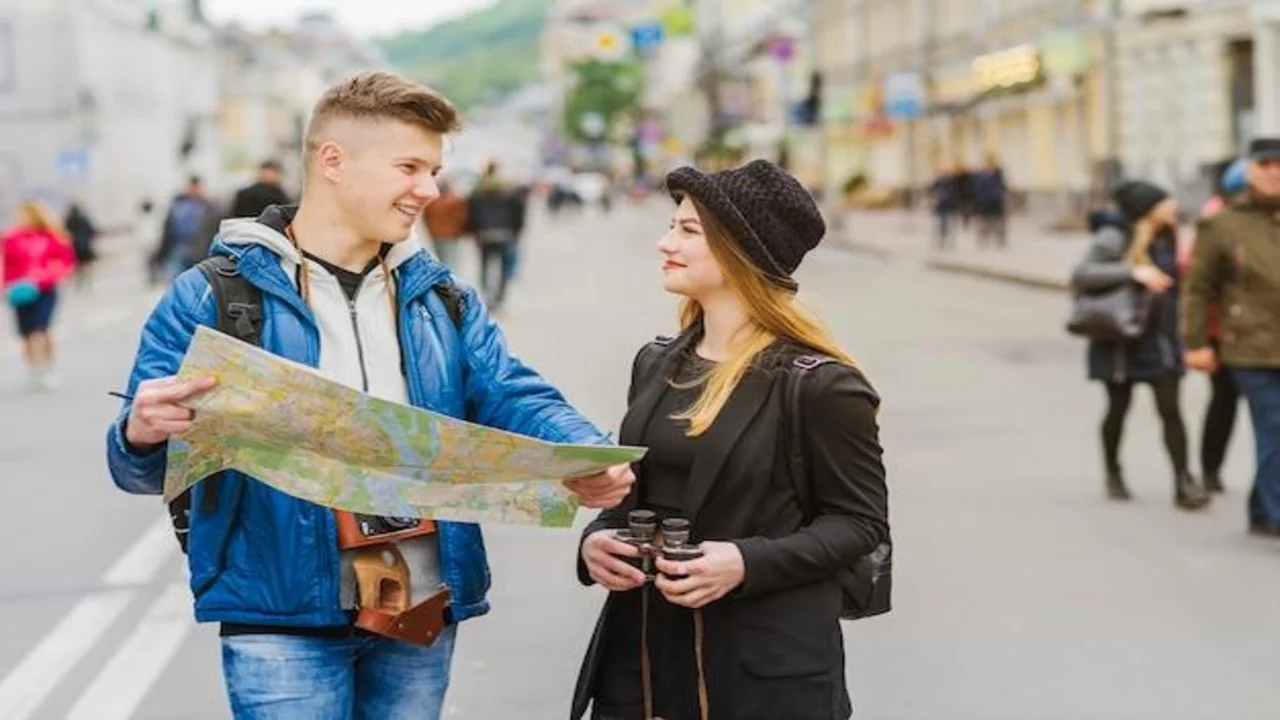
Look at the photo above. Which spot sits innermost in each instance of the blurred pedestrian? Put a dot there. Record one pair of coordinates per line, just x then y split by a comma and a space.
83, 234
1224, 396
446, 222
1139, 246
250, 201
37, 257
187, 229
148, 228
945, 192
988, 191
495, 218
1236, 266
751, 629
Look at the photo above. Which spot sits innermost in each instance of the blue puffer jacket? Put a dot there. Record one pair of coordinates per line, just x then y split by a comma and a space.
264, 558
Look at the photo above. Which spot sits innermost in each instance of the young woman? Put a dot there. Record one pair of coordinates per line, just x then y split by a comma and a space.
1139, 245
751, 629
37, 257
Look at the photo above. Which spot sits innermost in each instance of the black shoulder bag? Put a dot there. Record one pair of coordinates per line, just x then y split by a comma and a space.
867, 583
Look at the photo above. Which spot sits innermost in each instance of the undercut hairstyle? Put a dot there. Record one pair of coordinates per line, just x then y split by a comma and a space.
375, 96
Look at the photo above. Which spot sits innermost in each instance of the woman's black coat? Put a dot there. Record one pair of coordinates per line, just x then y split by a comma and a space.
773, 646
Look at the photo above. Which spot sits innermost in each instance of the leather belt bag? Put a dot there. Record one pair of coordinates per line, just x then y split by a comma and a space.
382, 579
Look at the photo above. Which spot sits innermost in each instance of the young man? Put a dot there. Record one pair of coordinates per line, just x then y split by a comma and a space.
344, 292
1235, 266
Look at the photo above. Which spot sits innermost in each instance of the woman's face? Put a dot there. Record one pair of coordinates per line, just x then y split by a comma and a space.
688, 267
1166, 213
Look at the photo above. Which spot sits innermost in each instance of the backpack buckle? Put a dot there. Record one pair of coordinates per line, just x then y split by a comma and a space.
808, 362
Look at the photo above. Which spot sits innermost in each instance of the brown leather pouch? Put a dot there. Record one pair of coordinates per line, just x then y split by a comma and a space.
384, 599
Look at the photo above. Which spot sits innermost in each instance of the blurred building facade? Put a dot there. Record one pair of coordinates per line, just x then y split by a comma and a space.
913, 86
269, 83
1186, 89
108, 101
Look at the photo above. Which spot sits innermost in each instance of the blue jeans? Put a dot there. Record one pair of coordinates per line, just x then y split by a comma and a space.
286, 677
1261, 387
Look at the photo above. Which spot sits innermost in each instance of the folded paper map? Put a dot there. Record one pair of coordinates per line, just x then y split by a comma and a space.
305, 435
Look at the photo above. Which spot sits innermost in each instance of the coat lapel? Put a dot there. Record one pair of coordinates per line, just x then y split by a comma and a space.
722, 437
652, 384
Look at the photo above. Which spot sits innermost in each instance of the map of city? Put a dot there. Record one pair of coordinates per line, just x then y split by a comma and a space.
290, 427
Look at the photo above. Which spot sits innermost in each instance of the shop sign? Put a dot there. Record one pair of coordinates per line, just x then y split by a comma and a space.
1008, 69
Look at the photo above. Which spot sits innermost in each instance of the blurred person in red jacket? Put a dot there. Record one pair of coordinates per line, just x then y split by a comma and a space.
38, 256
446, 222
1224, 396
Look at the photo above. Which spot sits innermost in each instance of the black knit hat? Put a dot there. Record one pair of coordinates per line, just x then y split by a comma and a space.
1135, 198
769, 213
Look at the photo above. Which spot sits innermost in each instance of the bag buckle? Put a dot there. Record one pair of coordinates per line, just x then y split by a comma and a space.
808, 362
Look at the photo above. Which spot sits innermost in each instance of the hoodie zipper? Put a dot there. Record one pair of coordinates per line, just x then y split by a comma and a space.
355, 327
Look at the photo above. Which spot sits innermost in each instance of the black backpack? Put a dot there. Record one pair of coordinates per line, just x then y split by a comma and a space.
240, 316
868, 582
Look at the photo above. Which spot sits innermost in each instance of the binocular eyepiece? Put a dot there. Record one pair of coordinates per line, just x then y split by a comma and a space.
672, 544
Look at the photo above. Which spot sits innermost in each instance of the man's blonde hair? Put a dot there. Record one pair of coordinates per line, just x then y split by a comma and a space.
381, 96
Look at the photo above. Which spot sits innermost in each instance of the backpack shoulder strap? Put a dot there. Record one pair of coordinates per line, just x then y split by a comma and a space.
239, 302
793, 395
455, 301
240, 316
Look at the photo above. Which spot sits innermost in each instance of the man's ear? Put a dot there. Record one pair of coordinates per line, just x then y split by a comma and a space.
330, 160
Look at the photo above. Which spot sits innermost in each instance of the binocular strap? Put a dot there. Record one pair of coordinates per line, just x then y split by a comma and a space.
646, 676
703, 702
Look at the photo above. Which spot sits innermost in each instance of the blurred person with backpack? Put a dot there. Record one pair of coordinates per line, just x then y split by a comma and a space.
37, 256
187, 229
764, 465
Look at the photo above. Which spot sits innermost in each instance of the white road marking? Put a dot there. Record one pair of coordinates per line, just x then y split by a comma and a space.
143, 560
43, 668
29, 684
128, 676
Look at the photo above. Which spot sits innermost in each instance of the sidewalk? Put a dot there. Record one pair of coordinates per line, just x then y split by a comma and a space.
1035, 257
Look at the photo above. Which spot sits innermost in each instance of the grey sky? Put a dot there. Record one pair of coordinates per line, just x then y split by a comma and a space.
364, 17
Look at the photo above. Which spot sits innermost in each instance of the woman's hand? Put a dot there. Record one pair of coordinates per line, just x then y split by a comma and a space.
603, 553
717, 573
1153, 278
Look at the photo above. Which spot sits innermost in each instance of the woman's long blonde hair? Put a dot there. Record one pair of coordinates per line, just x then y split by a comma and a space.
774, 314
1145, 231
36, 215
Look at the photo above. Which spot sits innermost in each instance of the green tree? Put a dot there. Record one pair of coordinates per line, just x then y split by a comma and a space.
604, 90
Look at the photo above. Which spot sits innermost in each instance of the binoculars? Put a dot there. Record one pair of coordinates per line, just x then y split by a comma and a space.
672, 543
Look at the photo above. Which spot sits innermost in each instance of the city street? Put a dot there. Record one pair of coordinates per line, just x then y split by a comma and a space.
1020, 593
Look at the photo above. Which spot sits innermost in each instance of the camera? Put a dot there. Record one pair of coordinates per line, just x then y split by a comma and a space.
357, 531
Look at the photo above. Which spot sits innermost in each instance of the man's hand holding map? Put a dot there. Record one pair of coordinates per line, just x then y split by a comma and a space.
310, 437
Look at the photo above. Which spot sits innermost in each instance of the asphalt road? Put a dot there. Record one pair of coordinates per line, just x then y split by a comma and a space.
1019, 592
